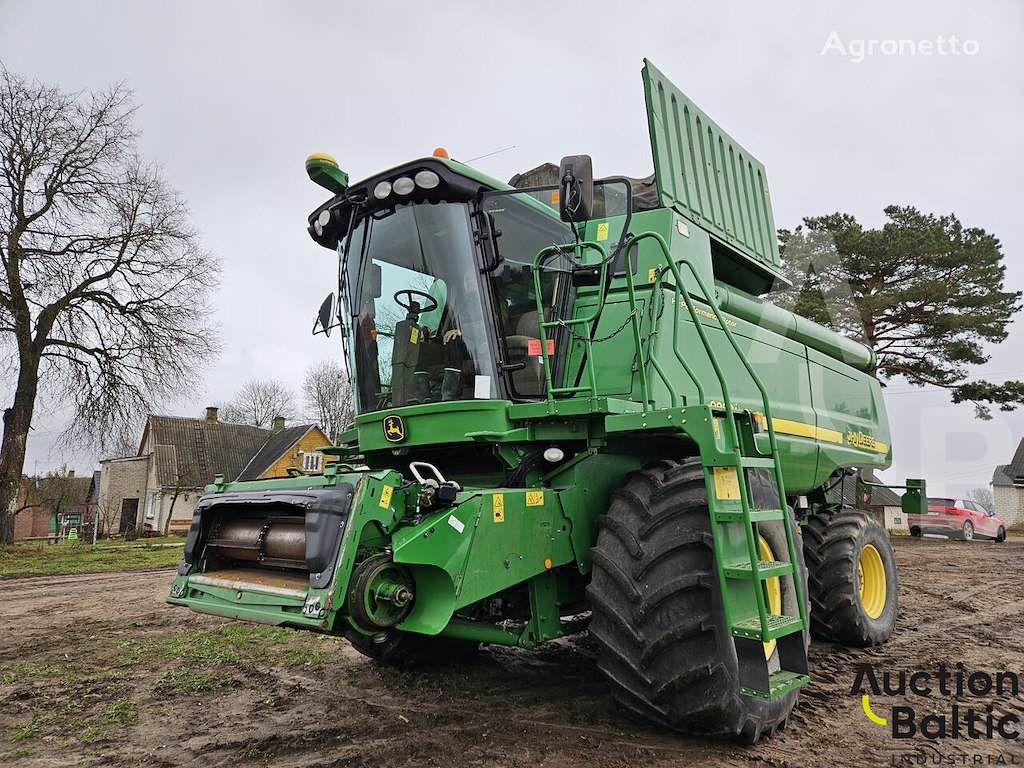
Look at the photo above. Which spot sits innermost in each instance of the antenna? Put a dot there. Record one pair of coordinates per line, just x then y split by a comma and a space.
495, 152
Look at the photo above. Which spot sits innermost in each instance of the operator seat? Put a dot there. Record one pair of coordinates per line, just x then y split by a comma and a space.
528, 381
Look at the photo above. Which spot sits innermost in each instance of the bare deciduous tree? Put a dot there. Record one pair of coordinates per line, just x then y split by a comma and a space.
327, 394
104, 291
983, 496
108, 512
259, 401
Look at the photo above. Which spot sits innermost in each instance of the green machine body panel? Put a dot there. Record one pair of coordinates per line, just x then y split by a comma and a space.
706, 175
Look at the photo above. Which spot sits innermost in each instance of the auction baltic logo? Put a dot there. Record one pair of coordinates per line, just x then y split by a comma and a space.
857, 49
984, 717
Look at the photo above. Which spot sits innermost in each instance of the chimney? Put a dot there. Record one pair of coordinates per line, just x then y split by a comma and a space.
211, 413
278, 424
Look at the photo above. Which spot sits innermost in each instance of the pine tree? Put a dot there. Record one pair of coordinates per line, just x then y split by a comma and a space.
924, 291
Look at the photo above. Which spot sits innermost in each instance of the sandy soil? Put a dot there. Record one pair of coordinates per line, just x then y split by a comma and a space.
85, 663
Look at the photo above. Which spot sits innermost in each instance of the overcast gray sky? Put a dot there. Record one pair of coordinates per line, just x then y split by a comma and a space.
235, 95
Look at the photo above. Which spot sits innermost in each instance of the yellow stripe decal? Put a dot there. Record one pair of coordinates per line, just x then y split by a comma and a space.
853, 439
798, 428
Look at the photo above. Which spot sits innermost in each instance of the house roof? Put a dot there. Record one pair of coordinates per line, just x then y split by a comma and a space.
67, 492
1015, 469
1001, 476
189, 452
880, 497
274, 449
93, 491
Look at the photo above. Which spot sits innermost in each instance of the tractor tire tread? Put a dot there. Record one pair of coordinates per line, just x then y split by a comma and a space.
831, 551
654, 561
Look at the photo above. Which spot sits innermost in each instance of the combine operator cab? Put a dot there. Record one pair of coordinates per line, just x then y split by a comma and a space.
438, 287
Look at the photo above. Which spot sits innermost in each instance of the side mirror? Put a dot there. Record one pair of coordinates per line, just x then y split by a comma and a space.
576, 188
325, 317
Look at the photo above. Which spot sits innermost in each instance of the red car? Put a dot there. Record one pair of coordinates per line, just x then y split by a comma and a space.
959, 519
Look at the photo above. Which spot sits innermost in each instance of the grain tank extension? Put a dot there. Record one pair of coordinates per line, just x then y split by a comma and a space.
574, 414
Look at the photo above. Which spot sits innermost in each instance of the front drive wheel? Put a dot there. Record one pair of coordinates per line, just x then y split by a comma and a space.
657, 609
396, 648
1001, 534
852, 577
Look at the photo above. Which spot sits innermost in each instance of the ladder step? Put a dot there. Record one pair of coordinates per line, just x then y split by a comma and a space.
777, 627
756, 515
767, 569
750, 462
779, 684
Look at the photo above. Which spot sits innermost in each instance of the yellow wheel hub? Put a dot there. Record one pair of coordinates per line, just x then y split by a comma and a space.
773, 592
871, 581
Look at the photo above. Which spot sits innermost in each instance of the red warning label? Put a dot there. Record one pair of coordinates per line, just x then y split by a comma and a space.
533, 347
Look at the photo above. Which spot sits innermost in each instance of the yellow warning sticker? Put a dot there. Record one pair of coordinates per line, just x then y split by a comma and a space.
535, 498
715, 423
385, 496
498, 504
414, 335
602, 231
652, 275
727, 484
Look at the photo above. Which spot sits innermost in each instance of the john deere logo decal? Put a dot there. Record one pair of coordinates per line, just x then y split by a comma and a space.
394, 429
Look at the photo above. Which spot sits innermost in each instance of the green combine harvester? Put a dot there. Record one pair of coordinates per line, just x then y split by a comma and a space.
574, 413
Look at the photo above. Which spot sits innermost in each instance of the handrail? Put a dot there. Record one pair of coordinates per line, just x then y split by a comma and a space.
682, 296
730, 411
585, 321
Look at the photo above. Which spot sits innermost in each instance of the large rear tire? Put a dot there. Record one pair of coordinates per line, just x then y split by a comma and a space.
658, 618
409, 649
852, 577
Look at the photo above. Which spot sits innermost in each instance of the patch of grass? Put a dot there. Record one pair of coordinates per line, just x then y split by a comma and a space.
13, 674
124, 712
304, 657
196, 647
159, 541
28, 730
191, 681
227, 644
261, 755
91, 733
17, 754
41, 559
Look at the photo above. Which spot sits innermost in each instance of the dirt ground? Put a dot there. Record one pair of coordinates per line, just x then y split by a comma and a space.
98, 670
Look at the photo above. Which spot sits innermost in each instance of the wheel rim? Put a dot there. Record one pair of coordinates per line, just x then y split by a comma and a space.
968, 531
772, 593
871, 581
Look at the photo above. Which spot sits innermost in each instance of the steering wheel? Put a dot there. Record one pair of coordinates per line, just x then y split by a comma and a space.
429, 306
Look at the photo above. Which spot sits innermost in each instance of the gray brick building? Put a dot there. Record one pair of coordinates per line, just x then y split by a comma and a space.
178, 457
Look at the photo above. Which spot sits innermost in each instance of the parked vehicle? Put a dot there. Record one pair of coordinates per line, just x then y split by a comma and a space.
959, 519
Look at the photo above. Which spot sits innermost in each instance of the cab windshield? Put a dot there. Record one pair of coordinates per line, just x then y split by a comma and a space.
432, 323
